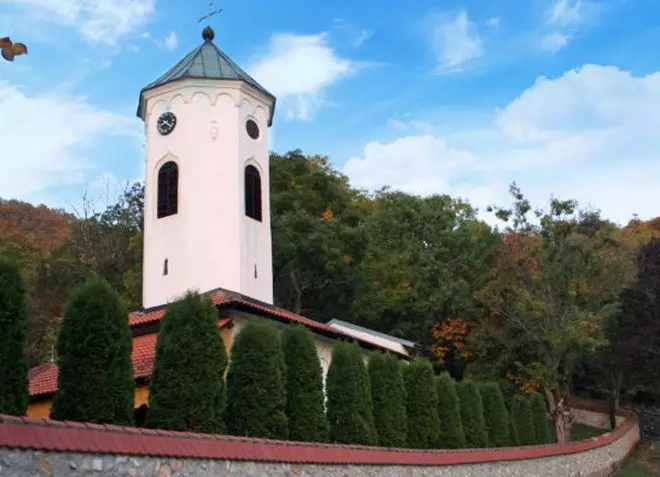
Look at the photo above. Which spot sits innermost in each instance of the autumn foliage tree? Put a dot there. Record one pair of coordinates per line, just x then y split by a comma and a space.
554, 283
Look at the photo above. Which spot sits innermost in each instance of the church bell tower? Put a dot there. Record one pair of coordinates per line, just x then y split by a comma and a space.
206, 204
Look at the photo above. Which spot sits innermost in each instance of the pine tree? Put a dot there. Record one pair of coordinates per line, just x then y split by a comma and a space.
452, 435
495, 414
422, 405
388, 396
13, 340
540, 419
256, 383
304, 382
95, 382
349, 407
521, 416
187, 390
472, 414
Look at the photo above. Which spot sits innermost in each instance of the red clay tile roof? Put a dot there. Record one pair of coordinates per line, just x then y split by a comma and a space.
43, 378
48, 435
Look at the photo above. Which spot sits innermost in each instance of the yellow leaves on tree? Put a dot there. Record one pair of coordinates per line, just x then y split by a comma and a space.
450, 336
327, 215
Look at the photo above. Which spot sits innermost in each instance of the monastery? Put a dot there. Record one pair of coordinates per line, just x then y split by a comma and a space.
207, 215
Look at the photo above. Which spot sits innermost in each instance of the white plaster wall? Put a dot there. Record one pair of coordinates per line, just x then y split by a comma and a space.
205, 242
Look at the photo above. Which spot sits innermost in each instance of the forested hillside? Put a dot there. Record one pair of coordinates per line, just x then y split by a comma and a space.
531, 302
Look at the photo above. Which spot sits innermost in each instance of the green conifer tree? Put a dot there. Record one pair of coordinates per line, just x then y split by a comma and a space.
523, 425
256, 383
495, 414
540, 418
95, 382
422, 405
13, 340
472, 414
452, 435
388, 396
349, 407
304, 382
187, 389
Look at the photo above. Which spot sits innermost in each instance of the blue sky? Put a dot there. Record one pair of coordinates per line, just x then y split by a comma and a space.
457, 97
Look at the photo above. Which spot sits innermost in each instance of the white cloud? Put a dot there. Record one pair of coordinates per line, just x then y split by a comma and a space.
171, 42
565, 12
589, 134
298, 69
554, 41
456, 41
66, 129
494, 21
99, 21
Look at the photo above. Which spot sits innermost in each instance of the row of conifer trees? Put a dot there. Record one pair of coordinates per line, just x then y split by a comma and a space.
272, 389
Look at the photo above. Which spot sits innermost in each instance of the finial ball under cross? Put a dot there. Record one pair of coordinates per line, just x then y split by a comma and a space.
208, 34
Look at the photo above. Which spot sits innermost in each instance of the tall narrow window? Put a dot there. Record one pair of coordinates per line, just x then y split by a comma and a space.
252, 193
168, 189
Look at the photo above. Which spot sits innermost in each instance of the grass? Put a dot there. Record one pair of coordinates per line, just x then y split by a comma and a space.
582, 432
632, 469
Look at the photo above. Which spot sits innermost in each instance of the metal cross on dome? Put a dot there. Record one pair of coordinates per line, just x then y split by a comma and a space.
210, 13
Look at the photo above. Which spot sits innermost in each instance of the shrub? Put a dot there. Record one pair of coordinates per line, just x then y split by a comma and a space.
187, 390
95, 382
521, 416
388, 396
472, 414
349, 397
422, 405
13, 340
496, 415
449, 412
304, 384
540, 419
256, 383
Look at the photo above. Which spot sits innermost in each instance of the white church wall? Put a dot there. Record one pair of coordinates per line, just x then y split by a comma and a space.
205, 243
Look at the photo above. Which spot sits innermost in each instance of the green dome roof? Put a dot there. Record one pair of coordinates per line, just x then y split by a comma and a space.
207, 61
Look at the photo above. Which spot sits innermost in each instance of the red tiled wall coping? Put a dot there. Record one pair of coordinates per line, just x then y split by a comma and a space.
64, 436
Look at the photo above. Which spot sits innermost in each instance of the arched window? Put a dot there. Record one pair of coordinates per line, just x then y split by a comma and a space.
168, 189
252, 193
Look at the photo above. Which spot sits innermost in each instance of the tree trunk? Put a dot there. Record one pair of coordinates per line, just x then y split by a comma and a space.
615, 397
561, 417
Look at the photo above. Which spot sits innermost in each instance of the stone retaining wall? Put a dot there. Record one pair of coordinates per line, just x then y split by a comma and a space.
38, 447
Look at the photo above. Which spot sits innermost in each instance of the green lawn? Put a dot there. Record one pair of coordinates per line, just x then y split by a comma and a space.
581, 432
632, 469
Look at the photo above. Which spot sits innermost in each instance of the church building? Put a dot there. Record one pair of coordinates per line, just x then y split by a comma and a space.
207, 214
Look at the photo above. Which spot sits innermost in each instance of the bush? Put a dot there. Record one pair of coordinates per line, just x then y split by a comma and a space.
13, 340
256, 383
496, 415
540, 419
95, 382
422, 405
349, 397
388, 396
449, 412
304, 384
187, 390
521, 417
472, 414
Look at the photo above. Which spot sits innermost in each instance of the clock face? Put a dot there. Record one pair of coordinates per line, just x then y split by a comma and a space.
166, 123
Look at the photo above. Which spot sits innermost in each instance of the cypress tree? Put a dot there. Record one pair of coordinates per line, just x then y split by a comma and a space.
388, 396
540, 419
95, 382
13, 339
472, 414
496, 415
187, 390
256, 383
422, 405
349, 407
521, 416
304, 384
449, 412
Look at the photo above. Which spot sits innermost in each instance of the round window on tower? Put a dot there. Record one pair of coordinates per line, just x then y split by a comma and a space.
252, 129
